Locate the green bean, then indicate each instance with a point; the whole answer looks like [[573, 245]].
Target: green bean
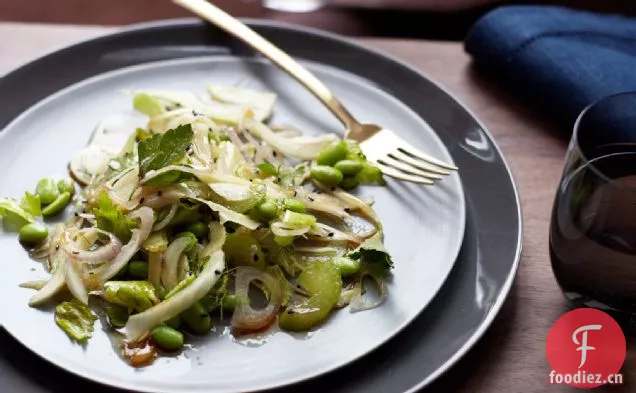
[[174, 322], [348, 167], [268, 210], [347, 266], [33, 233], [332, 154], [167, 338], [138, 269], [57, 205], [66, 185], [326, 175], [47, 190], [197, 319], [199, 229], [294, 205], [349, 182]]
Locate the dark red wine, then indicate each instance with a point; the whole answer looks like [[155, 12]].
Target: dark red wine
[[593, 234]]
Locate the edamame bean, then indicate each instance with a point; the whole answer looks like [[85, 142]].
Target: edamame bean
[[229, 302], [167, 338], [47, 190], [332, 154], [326, 175], [349, 182], [174, 322], [138, 269], [197, 319], [161, 292], [283, 240], [347, 266], [199, 229], [294, 205], [33, 233], [66, 185], [348, 167], [57, 205], [268, 210]]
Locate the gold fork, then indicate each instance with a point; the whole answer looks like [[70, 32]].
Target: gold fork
[[395, 157]]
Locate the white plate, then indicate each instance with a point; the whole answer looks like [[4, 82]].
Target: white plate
[[423, 226]]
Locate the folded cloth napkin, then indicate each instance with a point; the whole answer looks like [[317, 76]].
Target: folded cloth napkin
[[561, 60]]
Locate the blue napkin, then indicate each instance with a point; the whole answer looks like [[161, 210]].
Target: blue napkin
[[561, 60]]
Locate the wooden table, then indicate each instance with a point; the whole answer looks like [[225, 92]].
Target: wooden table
[[511, 357]]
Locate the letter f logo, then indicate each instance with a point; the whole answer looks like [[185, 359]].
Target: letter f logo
[[583, 344]]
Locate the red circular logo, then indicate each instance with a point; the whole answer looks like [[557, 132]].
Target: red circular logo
[[585, 348]]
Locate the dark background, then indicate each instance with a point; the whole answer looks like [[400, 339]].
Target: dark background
[[350, 21]]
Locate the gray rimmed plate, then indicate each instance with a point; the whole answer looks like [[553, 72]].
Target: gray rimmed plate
[[383, 87]]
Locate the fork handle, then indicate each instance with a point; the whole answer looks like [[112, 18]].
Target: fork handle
[[239, 30]]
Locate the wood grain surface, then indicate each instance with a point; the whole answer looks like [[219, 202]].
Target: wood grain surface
[[511, 357]]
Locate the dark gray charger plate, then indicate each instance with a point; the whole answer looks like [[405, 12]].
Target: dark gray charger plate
[[486, 266]]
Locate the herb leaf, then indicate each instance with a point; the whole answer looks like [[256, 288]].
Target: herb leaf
[[161, 150], [373, 251], [110, 219], [76, 319]]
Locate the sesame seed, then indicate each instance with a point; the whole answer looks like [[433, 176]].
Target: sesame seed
[[274, 153], [290, 311], [142, 200], [255, 258], [330, 234], [76, 214], [75, 252], [159, 193], [217, 272], [311, 199]]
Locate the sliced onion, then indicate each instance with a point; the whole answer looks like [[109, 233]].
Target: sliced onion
[[139, 235], [331, 234], [217, 239], [56, 262], [167, 196], [170, 272], [140, 324], [53, 286], [321, 251], [123, 190], [164, 223], [75, 284], [79, 253], [234, 138], [352, 202], [279, 229], [37, 285], [358, 303], [226, 215], [245, 318], [182, 268], [201, 173], [322, 203]]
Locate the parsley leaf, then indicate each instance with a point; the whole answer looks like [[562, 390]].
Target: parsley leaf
[[372, 250], [161, 150], [110, 219]]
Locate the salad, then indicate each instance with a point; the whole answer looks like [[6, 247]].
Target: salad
[[202, 215]]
